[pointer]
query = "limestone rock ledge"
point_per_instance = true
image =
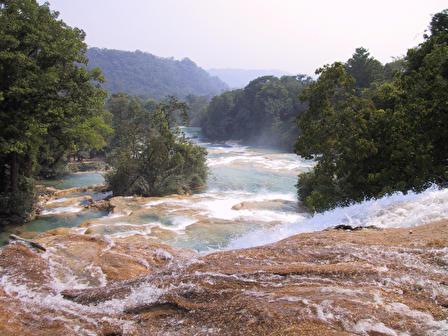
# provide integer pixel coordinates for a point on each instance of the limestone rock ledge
(336, 282)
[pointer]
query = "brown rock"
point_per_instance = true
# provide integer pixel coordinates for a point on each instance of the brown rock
(337, 282)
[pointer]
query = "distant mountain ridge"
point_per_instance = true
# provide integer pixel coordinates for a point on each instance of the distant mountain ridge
(239, 78)
(146, 75)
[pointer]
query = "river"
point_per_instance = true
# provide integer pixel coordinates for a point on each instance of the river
(250, 200)
(114, 278)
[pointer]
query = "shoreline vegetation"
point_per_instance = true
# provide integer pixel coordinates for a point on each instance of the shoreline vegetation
(155, 250)
(373, 129)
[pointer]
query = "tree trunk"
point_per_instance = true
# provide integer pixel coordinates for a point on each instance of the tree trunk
(28, 166)
(3, 183)
(14, 173)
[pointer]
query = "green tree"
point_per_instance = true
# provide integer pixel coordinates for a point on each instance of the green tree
(219, 121)
(364, 69)
(263, 113)
(197, 109)
(425, 87)
(150, 156)
(44, 92)
(387, 137)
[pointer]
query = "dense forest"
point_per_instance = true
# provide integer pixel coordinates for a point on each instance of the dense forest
(148, 76)
(196, 109)
(372, 129)
(263, 113)
(49, 105)
(52, 108)
(377, 129)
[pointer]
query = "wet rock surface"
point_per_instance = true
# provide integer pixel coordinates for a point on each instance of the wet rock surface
(334, 282)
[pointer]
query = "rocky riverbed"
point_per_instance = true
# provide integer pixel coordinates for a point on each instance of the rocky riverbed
(101, 265)
(334, 282)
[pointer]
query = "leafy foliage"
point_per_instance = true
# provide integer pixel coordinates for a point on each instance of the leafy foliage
(263, 113)
(197, 109)
(150, 156)
(373, 131)
(44, 94)
(364, 69)
(148, 76)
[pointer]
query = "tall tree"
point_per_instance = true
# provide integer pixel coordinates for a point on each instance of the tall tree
(364, 68)
(425, 84)
(44, 91)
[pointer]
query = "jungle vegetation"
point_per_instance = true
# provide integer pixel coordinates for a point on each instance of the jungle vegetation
(263, 113)
(50, 104)
(53, 108)
(376, 129)
(149, 154)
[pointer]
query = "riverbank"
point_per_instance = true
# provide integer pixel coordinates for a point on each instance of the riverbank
(174, 264)
(334, 282)
(248, 189)
(64, 202)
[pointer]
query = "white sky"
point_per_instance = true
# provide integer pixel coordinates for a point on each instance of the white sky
(297, 36)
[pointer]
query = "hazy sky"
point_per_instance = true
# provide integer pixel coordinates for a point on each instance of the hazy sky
(292, 35)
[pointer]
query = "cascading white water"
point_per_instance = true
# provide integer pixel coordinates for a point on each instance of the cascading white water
(250, 200)
(394, 211)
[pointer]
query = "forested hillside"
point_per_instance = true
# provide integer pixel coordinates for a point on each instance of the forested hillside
(148, 76)
(263, 113)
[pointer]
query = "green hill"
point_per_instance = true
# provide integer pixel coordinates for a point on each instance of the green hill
(149, 76)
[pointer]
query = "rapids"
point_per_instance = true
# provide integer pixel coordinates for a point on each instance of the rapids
(250, 200)
(136, 270)
(248, 189)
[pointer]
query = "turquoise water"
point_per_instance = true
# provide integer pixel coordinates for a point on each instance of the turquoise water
(203, 221)
(238, 174)
(76, 180)
(250, 180)
(49, 222)
(46, 223)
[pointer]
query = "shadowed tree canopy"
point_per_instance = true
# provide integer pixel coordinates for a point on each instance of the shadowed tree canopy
(390, 136)
(150, 156)
(44, 93)
(363, 68)
(263, 113)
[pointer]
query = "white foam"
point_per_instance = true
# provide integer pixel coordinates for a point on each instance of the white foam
(270, 161)
(424, 319)
(367, 325)
(63, 276)
(180, 223)
(58, 200)
(154, 203)
(141, 295)
(397, 210)
(60, 210)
